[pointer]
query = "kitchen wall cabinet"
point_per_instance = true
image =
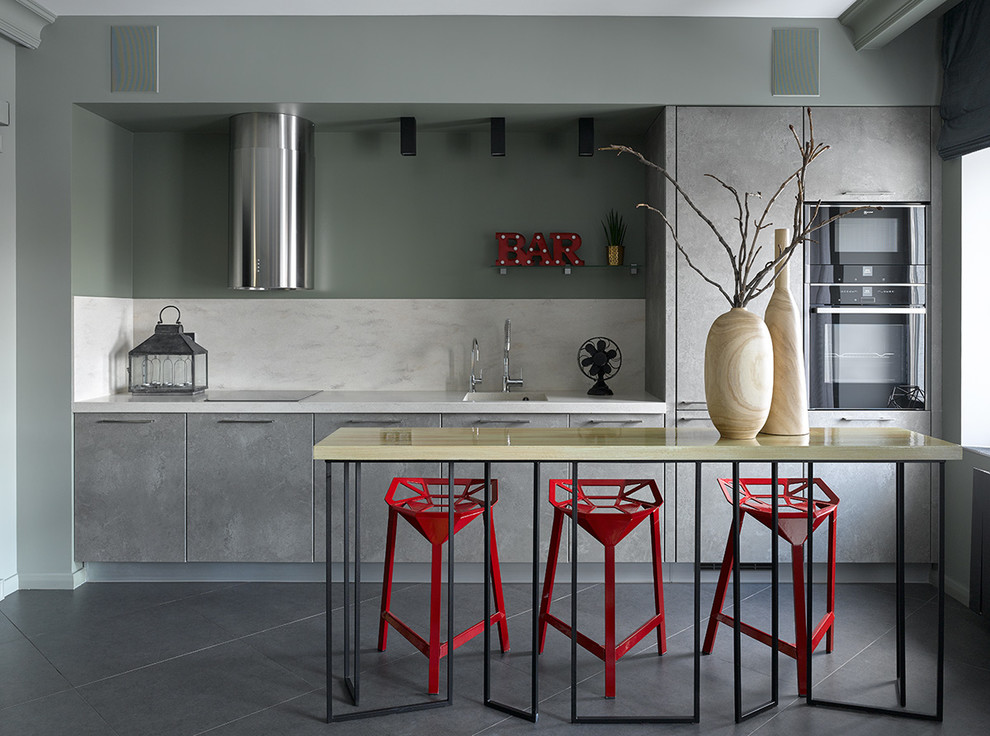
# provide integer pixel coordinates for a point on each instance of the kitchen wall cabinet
(876, 154)
(751, 149)
(514, 511)
(130, 489)
(636, 546)
(250, 488)
(375, 480)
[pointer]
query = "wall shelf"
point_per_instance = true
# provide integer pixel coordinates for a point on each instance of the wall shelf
(633, 268)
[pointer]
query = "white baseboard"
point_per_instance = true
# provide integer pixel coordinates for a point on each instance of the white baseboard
(52, 580)
(8, 586)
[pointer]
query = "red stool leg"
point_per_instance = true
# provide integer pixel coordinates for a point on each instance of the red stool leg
(720, 588)
(830, 594)
(434, 643)
(503, 624)
(609, 621)
(558, 523)
(800, 617)
(387, 579)
(658, 580)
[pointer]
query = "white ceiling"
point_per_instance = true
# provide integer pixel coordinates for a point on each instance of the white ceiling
(718, 8)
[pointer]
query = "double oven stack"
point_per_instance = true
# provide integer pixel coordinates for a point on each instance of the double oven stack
(865, 296)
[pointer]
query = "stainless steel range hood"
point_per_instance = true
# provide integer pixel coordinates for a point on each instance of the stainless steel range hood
(271, 201)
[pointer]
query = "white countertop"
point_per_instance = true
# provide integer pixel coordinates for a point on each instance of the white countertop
(383, 402)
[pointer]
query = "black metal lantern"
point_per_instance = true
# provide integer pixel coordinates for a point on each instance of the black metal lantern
(168, 362)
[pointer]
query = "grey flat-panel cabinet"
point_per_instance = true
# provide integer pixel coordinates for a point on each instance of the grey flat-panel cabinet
(866, 517)
(375, 480)
(250, 488)
(751, 149)
(716, 511)
(636, 546)
(130, 503)
(876, 154)
(514, 510)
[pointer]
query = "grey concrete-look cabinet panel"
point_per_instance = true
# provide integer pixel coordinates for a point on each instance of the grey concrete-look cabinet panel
(250, 488)
(866, 520)
(514, 510)
(716, 511)
(130, 488)
(375, 480)
(636, 546)
(875, 154)
(751, 149)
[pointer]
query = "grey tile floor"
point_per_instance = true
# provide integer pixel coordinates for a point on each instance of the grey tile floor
(231, 659)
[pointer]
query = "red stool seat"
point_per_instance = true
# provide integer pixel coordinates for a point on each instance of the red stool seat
(423, 503)
(792, 525)
(608, 510)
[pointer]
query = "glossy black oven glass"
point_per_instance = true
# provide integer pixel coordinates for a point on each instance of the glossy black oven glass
(866, 357)
(893, 235)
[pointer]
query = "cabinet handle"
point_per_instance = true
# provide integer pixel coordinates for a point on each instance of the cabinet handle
(692, 403)
(614, 421)
(865, 419)
(693, 419)
(502, 421)
(125, 421)
(245, 421)
(376, 422)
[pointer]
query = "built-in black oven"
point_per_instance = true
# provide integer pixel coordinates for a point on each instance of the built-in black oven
(866, 332)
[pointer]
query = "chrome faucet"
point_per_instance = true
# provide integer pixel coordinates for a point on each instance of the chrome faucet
(507, 382)
(475, 359)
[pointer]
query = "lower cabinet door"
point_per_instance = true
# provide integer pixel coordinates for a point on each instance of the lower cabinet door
(514, 511)
(250, 488)
(866, 530)
(716, 511)
(375, 480)
(130, 485)
(636, 547)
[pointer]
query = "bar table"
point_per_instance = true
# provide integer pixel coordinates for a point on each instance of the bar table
(353, 446)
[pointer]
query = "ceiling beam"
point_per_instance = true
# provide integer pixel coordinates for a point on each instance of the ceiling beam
(875, 23)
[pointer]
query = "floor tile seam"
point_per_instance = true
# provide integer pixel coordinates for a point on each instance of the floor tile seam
(260, 710)
(95, 710)
(541, 701)
(69, 687)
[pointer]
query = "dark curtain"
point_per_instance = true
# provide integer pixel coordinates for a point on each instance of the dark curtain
(965, 106)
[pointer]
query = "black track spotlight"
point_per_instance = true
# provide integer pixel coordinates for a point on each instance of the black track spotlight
(498, 136)
(586, 136)
(407, 136)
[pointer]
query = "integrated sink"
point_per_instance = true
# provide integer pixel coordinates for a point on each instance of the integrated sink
(505, 396)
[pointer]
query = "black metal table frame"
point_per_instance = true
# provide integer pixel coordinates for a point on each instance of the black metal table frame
(353, 683)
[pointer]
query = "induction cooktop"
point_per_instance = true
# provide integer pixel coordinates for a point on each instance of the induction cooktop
(260, 394)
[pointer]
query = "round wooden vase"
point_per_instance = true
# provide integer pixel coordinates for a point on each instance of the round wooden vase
(738, 374)
(789, 407)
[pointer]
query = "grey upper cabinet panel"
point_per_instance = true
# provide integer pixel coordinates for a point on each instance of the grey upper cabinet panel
(751, 149)
(250, 488)
(876, 154)
(130, 487)
(375, 480)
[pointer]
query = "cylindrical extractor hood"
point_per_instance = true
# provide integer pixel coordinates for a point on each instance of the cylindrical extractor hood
(271, 201)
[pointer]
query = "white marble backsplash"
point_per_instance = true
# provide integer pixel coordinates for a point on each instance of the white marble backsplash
(102, 333)
(366, 344)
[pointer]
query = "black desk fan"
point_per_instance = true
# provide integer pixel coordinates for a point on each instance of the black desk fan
(599, 358)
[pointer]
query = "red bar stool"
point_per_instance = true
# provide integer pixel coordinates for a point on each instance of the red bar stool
(792, 525)
(608, 510)
(423, 503)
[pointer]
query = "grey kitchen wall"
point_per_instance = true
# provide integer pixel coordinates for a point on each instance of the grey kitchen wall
(8, 329)
(580, 61)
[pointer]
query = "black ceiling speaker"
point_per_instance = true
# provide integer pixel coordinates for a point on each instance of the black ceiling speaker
(586, 136)
(498, 136)
(407, 136)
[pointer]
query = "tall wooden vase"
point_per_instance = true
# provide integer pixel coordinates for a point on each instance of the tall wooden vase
(738, 374)
(789, 407)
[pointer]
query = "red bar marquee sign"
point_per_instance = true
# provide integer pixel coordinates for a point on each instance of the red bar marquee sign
(559, 249)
